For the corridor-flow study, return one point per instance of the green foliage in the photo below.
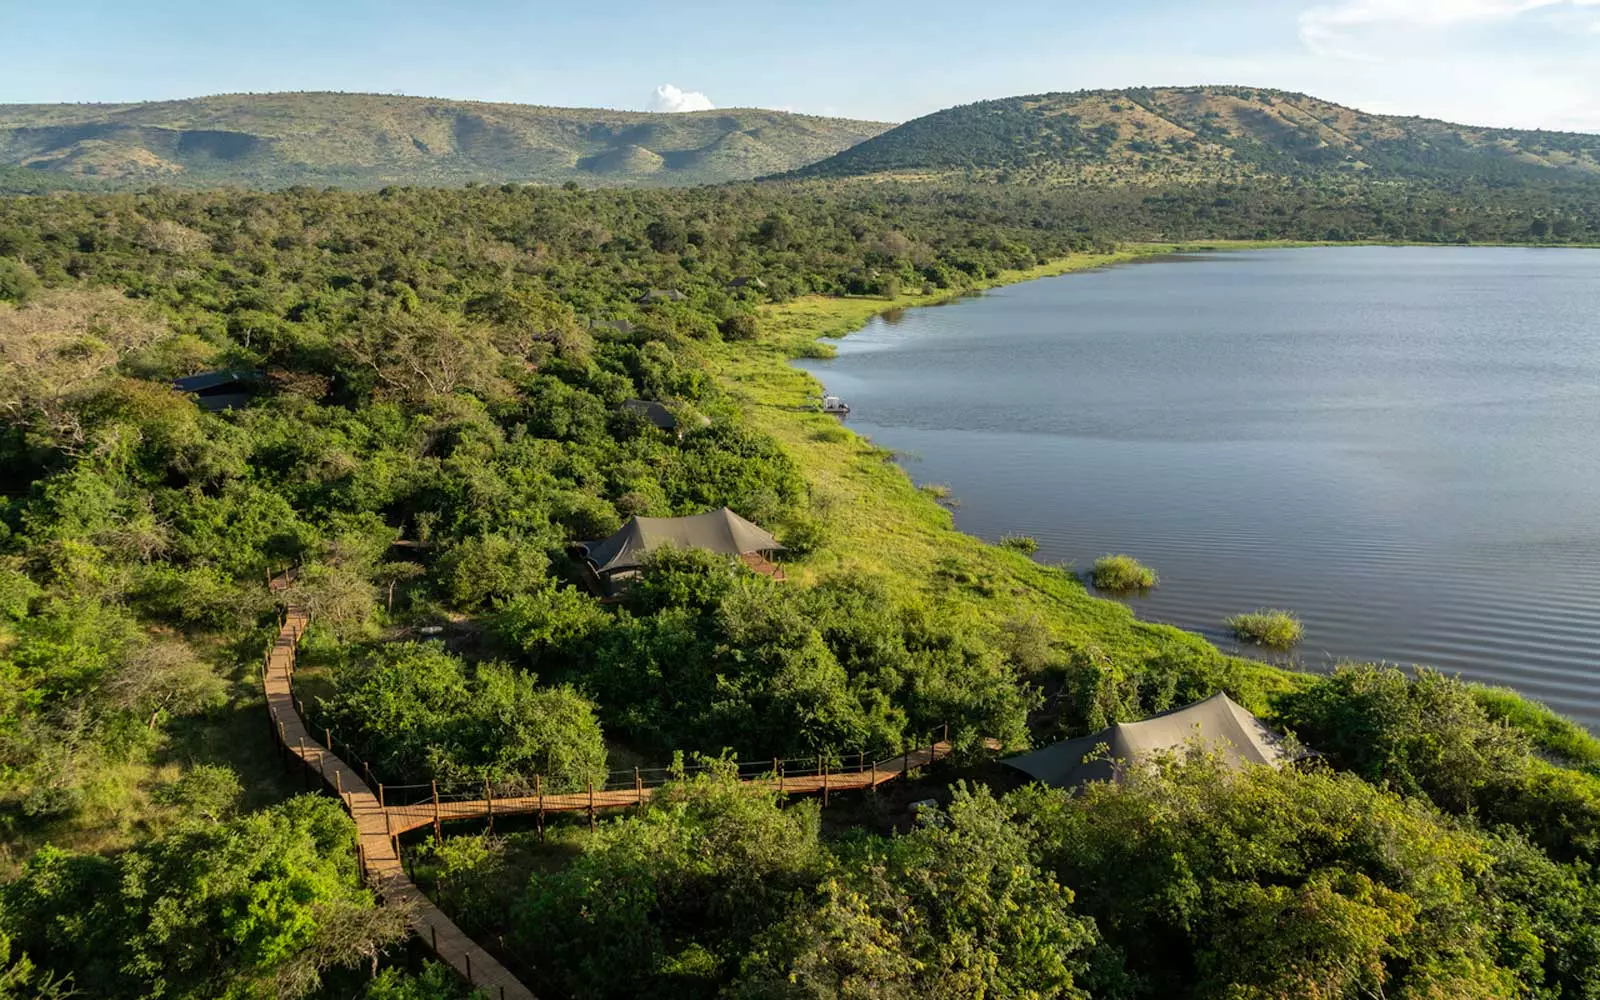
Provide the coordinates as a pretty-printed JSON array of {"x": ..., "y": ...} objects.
[
  {"x": 663, "y": 904},
  {"x": 18, "y": 283},
  {"x": 957, "y": 908},
  {"x": 416, "y": 711},
  {"x": 1122, "y": 573},
  {"x": 256, "y": 907},
  {"x": 1277, "y": 884},
  {"x": 1432, "y": 737},
  {"x": 1272, "y": 628},
  {"x": 1424, "y": 737},
  {"x": 436, "y": 981}
]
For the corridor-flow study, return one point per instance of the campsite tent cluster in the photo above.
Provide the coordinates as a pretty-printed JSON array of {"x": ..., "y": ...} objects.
[{"x": 1217, "y": 724}]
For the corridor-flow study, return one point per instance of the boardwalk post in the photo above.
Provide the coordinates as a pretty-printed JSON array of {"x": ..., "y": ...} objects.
[
  {"x": 305, "y": 767},
  {"x": 367, "y": 771},
  {"x": 874, "y": 773},
  {"x": 433, "y": 935},
  {"x": 380, "y": 800},
  {"x": 488, "y": 798},
  {"x": 824, "y": 784},
  {"x": 283, "y": 745},
  {"x": 338, "y": 786},
  {"x": 538, "y": 788},
  {"x": 591, "y": 805},
  {"x": 777, "y": 773},
  {"x": 638, "y": 788},
  {"x": 469, "y": 969},
  {"x": 438, "y": 837},
  {"x": 947, "y": 732},
  {"x": 327, "y": 737}
]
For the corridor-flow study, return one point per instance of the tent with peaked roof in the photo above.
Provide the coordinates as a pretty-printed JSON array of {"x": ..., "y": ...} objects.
[
  {"x": 1217, "y": 723},
  {"x": 720, "y": 531}
]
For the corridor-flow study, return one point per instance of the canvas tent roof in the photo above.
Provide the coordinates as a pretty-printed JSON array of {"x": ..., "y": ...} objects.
[
  {"x": 1218, "y": 723},
  {"x": 653, "y": 411},
  {"x": 720, "y": 531}
]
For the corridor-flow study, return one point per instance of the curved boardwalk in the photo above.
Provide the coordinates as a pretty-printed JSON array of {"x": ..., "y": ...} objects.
[
  {"x": 377, "y": 853},
  {"x": 379, "y": 824}
]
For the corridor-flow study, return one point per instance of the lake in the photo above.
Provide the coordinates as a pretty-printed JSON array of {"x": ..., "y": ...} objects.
[{"x": 1402, "y": 445}]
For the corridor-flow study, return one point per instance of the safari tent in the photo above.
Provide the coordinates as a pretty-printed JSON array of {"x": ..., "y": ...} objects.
[
  {"x": 1217, "y": 723},
  {"x": 616, "y": 559}
]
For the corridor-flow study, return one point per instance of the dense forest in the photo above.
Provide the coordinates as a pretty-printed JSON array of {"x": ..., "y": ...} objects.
[{"x": 437, "y": 416}]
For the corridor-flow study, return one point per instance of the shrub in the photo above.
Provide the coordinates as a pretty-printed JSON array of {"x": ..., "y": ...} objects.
[
  {"x": 17, "y": 282},
  {"x": 739, "y": 326},
  {"x": 1026, "y": 544},
  {"x": 1274, "y": 629},
  {"x": 1122, "y": 573}
]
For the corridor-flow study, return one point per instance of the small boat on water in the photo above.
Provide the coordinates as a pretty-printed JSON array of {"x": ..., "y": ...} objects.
[{"x": 835, "y": 405}]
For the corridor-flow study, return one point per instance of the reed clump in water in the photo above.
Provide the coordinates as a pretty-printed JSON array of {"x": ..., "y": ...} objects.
[
  {"x": 1122, "y": 573},
  {"x": 1274, "y": 629},
  {"x": 1026, "y": 544}
]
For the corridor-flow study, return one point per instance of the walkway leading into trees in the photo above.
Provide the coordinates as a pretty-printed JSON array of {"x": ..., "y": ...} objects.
[
  {"x": 382, "y": 815},
  {"x": 377, "y": 852}
]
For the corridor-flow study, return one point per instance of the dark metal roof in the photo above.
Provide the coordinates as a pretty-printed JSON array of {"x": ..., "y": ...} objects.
[{"x": 213, "y": 380}]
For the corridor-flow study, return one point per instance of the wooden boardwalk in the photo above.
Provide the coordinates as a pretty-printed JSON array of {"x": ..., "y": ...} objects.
[
  {"x": 859, "y": 778},
  {"x": 377, "y": 851},
  {"x": 379, "y": 824}
]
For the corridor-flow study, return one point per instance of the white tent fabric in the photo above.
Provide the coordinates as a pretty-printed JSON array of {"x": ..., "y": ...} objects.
[{"x": 1217, "y": 723}]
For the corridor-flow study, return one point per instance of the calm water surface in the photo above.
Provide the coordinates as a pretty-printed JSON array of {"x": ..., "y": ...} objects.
[{"x": 1401, "y": 445}]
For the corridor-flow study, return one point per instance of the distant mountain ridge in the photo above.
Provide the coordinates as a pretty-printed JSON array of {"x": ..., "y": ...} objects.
[
  {"x": 369, "y": 140},
  {"x": 1178, "y": 134}
]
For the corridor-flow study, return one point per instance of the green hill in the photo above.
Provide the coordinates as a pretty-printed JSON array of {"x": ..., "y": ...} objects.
[
  {"x": 1200, "y": 134},
  {"x": 369, "y": 140}
]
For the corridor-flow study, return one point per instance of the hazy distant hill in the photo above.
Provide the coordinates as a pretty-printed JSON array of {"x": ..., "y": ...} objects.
[
  {"x": 369, "y": 140},
  {"x": 1200, "y": 133}
]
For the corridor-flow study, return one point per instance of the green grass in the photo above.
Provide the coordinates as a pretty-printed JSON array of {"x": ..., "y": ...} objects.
[
  {"x": 880, "y": 524},
  {"x": 1122, "y": 573},
  {"x": 1559, "y": 738},
  {"x": 1273, "y": 628}
]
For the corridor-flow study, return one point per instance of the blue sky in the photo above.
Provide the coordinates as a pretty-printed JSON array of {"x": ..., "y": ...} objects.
[{"x": 1529, "y": 63}]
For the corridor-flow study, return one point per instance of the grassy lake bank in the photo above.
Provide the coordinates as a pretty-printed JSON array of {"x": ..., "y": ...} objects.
[{"x": 879, "y": 523}]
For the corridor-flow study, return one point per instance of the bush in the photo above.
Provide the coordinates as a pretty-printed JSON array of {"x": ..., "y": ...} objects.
[
  {"x": 1273, "y": 629},
  {"x": 17, "y": 281},
  {"x": 1122, "y": 573},
  {"x": 1026, "y": 544},
  {"x": 739, "y": 326}
]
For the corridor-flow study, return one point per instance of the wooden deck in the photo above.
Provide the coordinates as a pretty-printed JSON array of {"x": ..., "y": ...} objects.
[
  {"x": 379, "y": 823},
  {"x": 858, "y": 778}
]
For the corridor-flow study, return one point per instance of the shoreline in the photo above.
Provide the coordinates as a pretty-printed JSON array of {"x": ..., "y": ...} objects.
[{"x": 870, "y": 505}]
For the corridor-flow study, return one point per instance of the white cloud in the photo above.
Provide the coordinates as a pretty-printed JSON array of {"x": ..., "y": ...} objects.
[
  {"x": 1342, "y": 29},
  {"x": 670, "y": 98}
]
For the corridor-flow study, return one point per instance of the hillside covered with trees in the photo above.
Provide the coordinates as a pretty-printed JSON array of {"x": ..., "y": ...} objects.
[
  {"x": 369, "y": 140},
  {"x": 1202, "y": 134},
  {"x": 439, "y": 416}
]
